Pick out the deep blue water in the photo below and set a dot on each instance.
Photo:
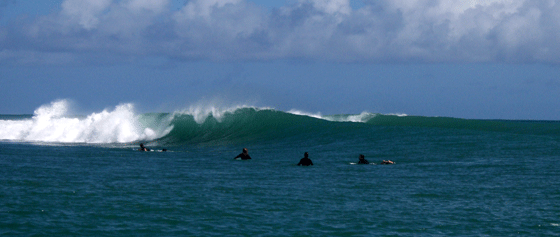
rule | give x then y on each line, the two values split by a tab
452	177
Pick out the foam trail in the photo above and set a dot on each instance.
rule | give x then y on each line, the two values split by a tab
51	123
301	113
360	118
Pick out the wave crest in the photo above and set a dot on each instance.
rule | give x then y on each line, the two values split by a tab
51	123
201	111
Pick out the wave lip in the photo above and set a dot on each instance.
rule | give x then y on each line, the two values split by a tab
201	113
356	118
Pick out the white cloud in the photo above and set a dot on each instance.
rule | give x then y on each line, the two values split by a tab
381	31
85	12
331	6
158	6
201	8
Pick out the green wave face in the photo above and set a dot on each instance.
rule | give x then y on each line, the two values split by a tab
267	125
244	124
211	125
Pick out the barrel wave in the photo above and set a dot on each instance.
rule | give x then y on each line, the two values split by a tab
249	124
240	124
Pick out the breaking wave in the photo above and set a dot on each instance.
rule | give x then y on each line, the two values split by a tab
213	124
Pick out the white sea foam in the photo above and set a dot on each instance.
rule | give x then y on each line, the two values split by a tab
202	110
51	123
301	113
358	118
399	115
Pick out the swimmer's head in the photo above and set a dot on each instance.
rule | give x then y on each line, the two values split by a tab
362	156
305	154
245	150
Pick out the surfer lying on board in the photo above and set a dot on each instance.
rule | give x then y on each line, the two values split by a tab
305	161
363	160
244	155
387	162
142	148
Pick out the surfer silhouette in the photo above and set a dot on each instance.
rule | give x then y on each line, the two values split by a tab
244	155
305	161
363	160
143	148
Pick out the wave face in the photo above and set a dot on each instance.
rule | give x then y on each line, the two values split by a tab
240	124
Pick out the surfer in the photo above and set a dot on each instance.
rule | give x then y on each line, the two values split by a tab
387	162
305	161
363	160
244	155
143	148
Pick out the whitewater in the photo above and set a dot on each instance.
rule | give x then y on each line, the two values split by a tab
54	123
66	174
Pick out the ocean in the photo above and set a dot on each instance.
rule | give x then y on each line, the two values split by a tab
82	175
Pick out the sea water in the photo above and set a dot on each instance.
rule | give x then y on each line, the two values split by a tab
66	175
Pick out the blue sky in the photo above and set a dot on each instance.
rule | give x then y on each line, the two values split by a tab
491	59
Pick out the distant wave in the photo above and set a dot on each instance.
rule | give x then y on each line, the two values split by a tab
507	126
210	124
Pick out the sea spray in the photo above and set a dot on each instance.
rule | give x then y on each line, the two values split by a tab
201	111
51	123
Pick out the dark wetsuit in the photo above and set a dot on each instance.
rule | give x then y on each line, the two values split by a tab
305	162
243	156
143	148
363	162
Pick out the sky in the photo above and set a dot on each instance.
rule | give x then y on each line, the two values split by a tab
481	59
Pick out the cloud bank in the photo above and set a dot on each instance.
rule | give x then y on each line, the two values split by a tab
381	31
